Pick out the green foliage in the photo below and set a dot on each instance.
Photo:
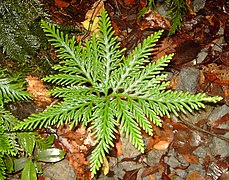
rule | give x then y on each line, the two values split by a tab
176	10
35	149
10	91
20	32
2	168
104	90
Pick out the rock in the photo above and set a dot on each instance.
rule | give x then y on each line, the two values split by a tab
60	171
198	5
218	146
188	80
154	156
128	149
201	56
218	112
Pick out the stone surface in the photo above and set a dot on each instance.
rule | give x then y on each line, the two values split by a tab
60	171
218	146
198	5
218	112
188	80
201	56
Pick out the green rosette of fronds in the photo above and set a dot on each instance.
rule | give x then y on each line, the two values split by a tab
107	92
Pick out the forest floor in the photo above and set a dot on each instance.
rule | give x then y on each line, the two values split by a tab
194	146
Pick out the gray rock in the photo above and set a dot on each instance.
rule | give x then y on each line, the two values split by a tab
198	5
60	171
128	149
218	112
218	146
188	80
201	56
153	157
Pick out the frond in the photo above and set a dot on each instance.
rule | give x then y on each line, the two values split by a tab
5	145
65	79
109	49
174	101
140	116
2	169
134	63
71	91
128	124
176	11
146	79
149	112
67	49
58	114
7	119
11	91
104	128
44	143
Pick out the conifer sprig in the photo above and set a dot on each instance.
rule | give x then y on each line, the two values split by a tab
104	90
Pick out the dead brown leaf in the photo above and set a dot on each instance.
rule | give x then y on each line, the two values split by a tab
191	158
161	145
194	175
150	170
39	91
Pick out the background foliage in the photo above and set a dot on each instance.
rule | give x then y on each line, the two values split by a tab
20	32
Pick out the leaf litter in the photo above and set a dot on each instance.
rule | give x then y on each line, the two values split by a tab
178	141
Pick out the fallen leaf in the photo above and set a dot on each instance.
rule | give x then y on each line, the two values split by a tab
154	20
223	120
161	145
118	146
62	3
186	141
191	158
186	52
226	32
129	2
195	176
150	170
92	16
39	91
105	167
188	5
131	175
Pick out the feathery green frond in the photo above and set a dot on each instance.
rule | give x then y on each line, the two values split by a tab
176	11
104	90
10	90
2	169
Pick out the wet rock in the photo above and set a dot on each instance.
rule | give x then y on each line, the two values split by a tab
60	170
154	156
218	146
201	56
198	5
218	112
128	149
188	80
23	109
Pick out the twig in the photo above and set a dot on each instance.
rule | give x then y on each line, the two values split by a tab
185	120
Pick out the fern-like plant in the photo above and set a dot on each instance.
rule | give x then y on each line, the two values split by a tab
10	91
103	89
